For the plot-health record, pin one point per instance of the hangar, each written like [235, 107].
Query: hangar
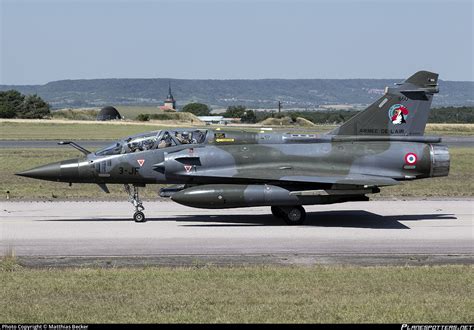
[108, 113]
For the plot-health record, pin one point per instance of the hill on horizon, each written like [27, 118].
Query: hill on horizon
[262, 93]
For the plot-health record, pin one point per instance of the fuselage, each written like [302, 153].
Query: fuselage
[251, 157]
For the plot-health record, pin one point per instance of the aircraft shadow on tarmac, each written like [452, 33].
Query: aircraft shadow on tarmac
[349, 219]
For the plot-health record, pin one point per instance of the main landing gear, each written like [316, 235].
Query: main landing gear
[133, 198]
[292, 215]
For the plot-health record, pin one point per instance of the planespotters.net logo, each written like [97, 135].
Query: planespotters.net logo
[437, 327]
[398, 114]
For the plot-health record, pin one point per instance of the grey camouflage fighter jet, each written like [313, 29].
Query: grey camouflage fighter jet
[217, 168]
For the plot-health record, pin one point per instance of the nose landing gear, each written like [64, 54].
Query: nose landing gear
[134, 198]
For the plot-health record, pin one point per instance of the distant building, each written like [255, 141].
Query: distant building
[170, 102]
[108, 113]
[218, 120]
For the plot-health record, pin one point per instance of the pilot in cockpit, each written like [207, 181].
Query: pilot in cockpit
[149, 143]
[165, 141]
[183, 137]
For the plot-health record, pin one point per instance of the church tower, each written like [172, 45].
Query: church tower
[170, 102]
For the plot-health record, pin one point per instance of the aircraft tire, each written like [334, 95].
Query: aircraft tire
[139, 217]
[294, 215]
[277, 212]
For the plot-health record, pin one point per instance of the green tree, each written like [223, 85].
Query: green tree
[6, 111]
[198, 109]
[235, 111]
[249, 117]
[34, 107]
[11, 103]
[452, 115]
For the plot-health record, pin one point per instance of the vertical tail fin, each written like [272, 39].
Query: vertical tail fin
[402, 110]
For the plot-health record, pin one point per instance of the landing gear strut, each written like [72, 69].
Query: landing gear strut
[133, 198]
[292, 215]
[277, 212]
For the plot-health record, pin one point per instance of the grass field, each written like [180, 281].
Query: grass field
[459, 183]
[127, 112]
[450, 129]
[87, 130]
[271, 294]
[70, 130]
[131, 112]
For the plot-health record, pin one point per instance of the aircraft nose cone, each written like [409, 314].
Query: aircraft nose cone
[46, 172]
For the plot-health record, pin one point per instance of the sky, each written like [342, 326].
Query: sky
[43, 41]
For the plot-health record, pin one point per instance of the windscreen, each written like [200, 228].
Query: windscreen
[142, 142]
[113, 149]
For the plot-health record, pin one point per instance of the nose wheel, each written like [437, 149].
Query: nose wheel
[134, 198]
[139, 216]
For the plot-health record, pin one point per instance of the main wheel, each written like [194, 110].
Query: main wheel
[294, 215]
[277, 212]
[139, 217]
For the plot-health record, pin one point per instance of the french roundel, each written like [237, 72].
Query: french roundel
[411, 158]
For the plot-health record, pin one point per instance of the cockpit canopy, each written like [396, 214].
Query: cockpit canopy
[154, 140]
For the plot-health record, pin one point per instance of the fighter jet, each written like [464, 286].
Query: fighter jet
[382, 145]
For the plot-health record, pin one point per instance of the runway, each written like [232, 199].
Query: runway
[375, 232]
